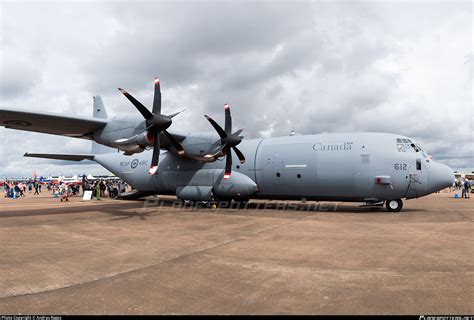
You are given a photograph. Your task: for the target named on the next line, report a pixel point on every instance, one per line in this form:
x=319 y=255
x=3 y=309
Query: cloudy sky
x=309 y=66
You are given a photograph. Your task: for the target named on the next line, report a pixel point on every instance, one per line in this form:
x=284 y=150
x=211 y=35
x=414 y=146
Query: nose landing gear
x=394 y=205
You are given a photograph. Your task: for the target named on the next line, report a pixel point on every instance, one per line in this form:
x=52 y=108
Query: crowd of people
x=464 y=185
x=100 y=188
x=15 y=189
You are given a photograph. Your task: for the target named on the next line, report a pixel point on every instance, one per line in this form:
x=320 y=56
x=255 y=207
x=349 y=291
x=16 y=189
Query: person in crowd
x=16 y=190
x=466 y=189
x=36 y=189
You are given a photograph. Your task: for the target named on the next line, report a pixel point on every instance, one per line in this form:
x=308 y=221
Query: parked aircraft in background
x=361 y=167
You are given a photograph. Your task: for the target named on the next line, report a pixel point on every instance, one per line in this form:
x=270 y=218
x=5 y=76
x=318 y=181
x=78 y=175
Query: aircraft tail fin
x=99 y=111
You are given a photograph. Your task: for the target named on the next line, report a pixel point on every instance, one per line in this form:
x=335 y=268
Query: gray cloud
x=309 y=66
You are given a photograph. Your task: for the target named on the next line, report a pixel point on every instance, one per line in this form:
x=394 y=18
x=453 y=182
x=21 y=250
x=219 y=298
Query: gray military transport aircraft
x=374 y=168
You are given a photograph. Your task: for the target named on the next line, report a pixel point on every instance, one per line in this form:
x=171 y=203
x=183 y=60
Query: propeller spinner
x=155 y=123
x=229 y=141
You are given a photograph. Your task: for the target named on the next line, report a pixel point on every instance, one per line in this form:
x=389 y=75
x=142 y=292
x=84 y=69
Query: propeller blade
x=228 y=119
x=143 y=110
x=218 y=128
x=157 y=97
x=239 y=155
x=214 y=154
x=179 y=148
x=238 y=132
x=228 y=166
x=175 y=114
x=156 y=154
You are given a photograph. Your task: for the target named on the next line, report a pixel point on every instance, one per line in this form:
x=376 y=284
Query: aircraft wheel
x=394 y=205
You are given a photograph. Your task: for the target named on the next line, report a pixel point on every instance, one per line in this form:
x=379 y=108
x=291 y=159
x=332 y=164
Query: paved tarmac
x=117 y=257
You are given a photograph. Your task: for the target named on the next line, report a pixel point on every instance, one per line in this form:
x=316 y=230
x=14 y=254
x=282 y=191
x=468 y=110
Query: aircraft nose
x=440 y=176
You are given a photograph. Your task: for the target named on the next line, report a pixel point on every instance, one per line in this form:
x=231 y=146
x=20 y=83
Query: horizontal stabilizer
x=56 y=156
x=52 y=123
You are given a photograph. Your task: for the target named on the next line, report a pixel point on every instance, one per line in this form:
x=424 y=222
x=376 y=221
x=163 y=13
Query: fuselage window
x=401 y=147
x=418 y=164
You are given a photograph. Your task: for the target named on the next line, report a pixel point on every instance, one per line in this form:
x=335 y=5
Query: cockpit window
x=401 y=147
x=418 y=164
x=415 y=147
x=406 y=145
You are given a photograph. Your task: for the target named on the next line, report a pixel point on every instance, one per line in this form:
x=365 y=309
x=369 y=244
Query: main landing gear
x=394 y=205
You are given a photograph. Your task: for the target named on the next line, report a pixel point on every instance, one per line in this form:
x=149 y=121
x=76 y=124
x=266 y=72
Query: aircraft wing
x=57 y=156
x=52 y=123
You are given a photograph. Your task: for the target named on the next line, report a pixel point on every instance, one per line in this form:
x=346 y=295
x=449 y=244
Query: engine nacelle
x=135 y=144
x=197 y=145
x=238 y=186
x=201 y=185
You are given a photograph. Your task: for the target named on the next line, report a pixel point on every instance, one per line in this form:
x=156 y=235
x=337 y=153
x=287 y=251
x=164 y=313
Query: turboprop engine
x=135 y=144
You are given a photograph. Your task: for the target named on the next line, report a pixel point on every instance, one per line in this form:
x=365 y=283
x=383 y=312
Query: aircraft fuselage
x=362 y=167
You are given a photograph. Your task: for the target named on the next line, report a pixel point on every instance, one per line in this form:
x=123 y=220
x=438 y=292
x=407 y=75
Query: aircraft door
x=417 y=178
x=364 y=175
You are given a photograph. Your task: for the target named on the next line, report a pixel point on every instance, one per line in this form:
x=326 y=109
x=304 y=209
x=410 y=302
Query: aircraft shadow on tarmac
x=151 y=206
x=129 y=209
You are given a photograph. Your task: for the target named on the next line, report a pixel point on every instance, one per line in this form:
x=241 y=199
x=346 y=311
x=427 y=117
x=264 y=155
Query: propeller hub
x=155 y=124
x=232 y=140
x=229 y=141
x=159 y=122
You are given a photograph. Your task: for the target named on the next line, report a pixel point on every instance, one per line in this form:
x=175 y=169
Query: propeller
x=155 y=122
x=229 y=141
